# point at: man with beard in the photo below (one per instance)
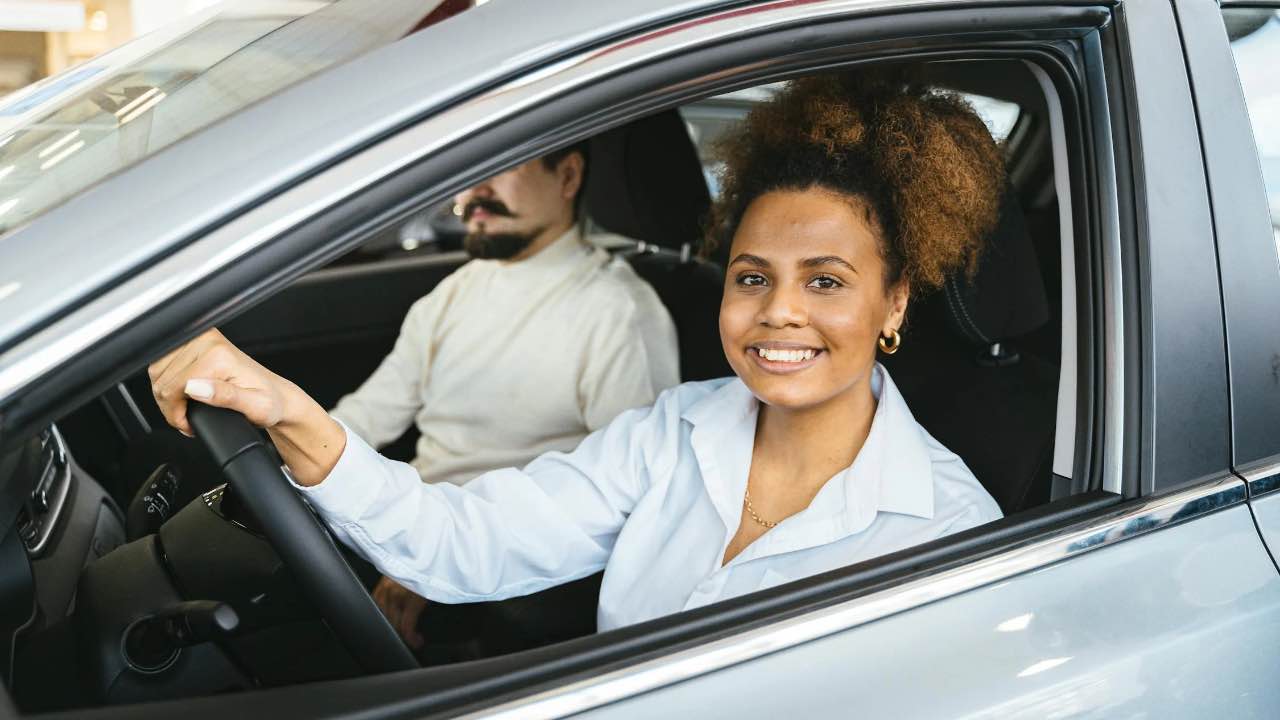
(539, 340)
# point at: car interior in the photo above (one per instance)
(150, 581)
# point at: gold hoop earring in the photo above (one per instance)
(888, 348)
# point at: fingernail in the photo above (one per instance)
(199, 389)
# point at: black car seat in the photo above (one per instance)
(645, 182)
(965, 379)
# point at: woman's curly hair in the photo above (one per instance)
(922, 162)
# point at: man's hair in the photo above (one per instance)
(552, 160)
(919, 162)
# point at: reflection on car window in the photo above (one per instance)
(70, 131)
(708, 120)
(1255, 41)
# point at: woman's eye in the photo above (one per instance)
(824, 282)
(751, 279)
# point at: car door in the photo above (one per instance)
(1233, 67)
(1114, 601)
(1174, 587)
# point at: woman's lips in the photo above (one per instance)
(784, 360)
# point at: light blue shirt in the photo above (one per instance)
(653, 498)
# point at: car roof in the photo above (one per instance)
(105, 233)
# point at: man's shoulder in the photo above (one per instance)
(447, 286)
(614, 279)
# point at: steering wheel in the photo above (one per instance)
(303, 544)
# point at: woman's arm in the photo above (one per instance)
(506, 533)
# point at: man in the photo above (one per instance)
(539, 340)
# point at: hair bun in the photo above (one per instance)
(922, 159)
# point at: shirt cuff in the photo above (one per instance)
(351, 486)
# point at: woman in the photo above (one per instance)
(842, 196)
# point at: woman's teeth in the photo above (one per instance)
(786, 355)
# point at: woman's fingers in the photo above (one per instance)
(258, 405)
(170, 373)
(212, 370)
(165, 371)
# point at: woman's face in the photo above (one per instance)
(805, 299)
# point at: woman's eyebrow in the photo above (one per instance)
(827, 260)
(751, 260)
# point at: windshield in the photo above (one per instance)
(69, 131)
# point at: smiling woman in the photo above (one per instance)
(841, 195)
(811, 444)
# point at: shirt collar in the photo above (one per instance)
(892, 473)
(906, 464)
(723, 437)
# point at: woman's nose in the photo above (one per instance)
(783, 308)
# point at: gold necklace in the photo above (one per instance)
(746, 499)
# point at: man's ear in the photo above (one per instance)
(570, 173)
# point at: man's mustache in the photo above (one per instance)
(493, 207)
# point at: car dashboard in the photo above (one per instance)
(56, 519)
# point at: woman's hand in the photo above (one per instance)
(212, 370)
(402, 607)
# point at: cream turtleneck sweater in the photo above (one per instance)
(504, 361)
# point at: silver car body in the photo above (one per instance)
(1166, 606)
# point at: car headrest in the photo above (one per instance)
(1006, 297)
(645, 181)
